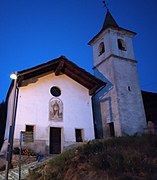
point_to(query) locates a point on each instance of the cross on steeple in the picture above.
(105, 5)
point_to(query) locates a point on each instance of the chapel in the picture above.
(62, 104)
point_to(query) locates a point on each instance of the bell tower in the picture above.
(118, 107)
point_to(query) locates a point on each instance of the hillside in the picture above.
(131, 158)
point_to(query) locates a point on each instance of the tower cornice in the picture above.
(115, 56)
(119, 29)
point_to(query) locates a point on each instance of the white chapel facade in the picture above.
(62, 104)
(54, 103)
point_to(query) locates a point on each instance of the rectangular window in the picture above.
(111, 126)
(30, 128)
(78, 135)
(28, 135)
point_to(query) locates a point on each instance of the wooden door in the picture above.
(55, 140)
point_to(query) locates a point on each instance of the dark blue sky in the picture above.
(35, 31)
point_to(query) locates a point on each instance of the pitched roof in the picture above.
(60, 66)
(109, 22)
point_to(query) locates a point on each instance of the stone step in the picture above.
(14, 174)
(1, 177)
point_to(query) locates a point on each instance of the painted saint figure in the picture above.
(56, 109)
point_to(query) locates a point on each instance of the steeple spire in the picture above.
(109, 21)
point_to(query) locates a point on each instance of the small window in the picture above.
(101, 48)
(121, 45)
(55, 91)
(30, 136)
(29, 128)
(78, 135)
(129, 88)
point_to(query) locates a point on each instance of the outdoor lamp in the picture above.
(13, 75)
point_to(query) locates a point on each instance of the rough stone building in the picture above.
(61, 103)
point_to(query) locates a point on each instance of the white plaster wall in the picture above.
(131, 107)
(109, 37)
(9, 118)
(33, 108)
(8, 123)
(108, 70)
(127, 106)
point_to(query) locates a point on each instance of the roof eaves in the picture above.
(75, 72)
(112, 27)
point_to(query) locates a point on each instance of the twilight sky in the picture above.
(33, 32)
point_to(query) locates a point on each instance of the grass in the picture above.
(117, 158)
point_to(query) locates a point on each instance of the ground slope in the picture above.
(117, 158)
